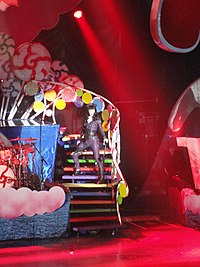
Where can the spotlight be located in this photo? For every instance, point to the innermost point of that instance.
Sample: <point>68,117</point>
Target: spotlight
<point>78,14</point>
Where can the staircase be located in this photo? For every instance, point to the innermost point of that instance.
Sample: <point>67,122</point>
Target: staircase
<point>93,206</point>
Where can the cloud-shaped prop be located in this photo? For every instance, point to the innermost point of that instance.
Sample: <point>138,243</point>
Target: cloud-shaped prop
<point>42,14</point>
<point>191,200</point>
<point>14,203</point>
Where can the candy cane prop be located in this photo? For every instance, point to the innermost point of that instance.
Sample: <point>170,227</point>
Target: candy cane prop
<point>2,107</point>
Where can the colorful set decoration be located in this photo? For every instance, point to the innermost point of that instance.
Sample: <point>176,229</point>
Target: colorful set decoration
<point>28,71</point>
<point>7,48</point>
<point>25,201</point>
<point>31,61</point>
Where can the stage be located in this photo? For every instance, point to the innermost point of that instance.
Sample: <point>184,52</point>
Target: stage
<point>147,241</point>
<point>99,133</point>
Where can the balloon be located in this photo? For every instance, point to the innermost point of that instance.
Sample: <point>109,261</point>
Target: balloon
<point>79,92</point>
<point>68,94</point>
<point>38,106</point>
<point>105,115</point>
<point>100,105</point>
<point>122,189</point>
<point>114,118</point>
<point>86,98</point>
<point>105,126</point>
<point>39,96</point>
<point>60,104</point>
<point>109,108</point>
<point>11,87</point>
<point>50,95</point>
<point>78,102</point>
<point>31,61</point>
<point>48,113</point>
<point>119,199</point>
<point>31,88</point>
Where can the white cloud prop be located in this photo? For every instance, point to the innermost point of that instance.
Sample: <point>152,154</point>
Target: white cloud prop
<point>14,203</point>
<point>191,200</point>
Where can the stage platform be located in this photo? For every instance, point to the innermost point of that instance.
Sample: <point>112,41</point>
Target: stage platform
<point>149,241</point>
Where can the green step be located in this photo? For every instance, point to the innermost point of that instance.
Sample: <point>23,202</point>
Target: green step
<point>92,210</point>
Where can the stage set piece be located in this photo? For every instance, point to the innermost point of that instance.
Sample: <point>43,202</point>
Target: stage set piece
<point>177,163</point>
<point>41,117</point>
<point>184,124</point>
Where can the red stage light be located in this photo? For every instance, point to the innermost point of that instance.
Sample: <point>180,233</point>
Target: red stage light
<point>78,14</point>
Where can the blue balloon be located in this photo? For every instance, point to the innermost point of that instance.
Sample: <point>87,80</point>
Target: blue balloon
<point>99,104</point>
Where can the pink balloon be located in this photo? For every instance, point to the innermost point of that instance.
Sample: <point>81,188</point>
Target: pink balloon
<point>68,94</point>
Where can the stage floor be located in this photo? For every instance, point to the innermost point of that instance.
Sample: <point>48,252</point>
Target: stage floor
<point>147,241</point>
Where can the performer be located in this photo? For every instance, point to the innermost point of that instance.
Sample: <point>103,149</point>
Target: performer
<point>89,138</point>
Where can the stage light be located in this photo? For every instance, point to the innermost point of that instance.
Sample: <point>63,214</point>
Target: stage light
<point>78,14</point>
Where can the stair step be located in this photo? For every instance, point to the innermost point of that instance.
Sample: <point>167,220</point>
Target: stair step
<point>93,219</point>
<point>91,202</point>
<point>70,137</point>
<point>88,185</point>
<point>91,194</point>
<point>83,177</point>
<point>98,227</point>
<point>87,169</point>
<point>101,152</point>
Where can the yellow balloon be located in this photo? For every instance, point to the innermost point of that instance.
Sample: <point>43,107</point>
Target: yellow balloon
<point>122,189</point>
<point>86,98</point>
<point>60,104</point>
<point>38,106</point>
<point>105,115</point>
<point>50,95</point>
